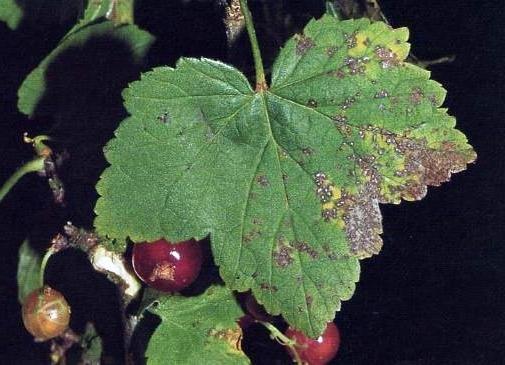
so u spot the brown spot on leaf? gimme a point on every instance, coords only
(350, 40)
(319, 178)
(416, 96)
(349, 101)
(252, 235)
(329, 214)
(303, 44)
(363, 223)
(262, 180)
(266, 286)
(440, 164)
(340, 122)
(356, 66)
(307, 151)
(422, 165)
(232, 336)
(369, 169)
(302, 246)
(386, 57)
(426, 166)
(324, 193)
(433, 99)
(340, 74)
(256, 221)
(381, 94)
(164, 118)
(333, 256)
(283, 257)
(311, 103)
(309, 300)
(339, 118)
(330, 51)
(283, 153)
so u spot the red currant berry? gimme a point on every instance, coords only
(319, 351)
(46, 313)
(165, 266)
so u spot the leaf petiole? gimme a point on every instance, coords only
(50, 251)
(35, 165)
(261, 83)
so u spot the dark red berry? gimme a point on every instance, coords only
(319, 351)
(46, 313)
(165, 266)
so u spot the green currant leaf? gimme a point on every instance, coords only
(38, 13)
(287, 181)
(33, 88)
(92, 346)
(196, 328)
(28, 275)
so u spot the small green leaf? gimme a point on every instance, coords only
(91, 344)
(38, 13)
(287, 181)
(197, 329)
(28, 275)
(34, 86)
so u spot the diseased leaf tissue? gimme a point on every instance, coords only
(286, 181)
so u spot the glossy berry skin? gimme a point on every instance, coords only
(46, 313)
(319, 351)
(166, 266)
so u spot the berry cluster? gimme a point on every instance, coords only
(171, 267)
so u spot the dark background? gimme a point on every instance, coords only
(435, 294)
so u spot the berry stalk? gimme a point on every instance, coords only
(35, 165)
(283, 340)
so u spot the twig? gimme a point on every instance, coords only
(234, 22)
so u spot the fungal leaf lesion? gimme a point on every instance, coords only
(288, 184)
(390, 138)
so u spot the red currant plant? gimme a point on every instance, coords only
(285, 176)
